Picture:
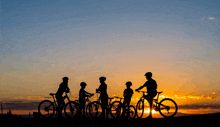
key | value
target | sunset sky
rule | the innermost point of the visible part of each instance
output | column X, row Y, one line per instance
column 45, row 40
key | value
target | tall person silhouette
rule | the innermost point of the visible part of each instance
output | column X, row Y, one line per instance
column 62, row 88
column 103, row 95
column 151, row 90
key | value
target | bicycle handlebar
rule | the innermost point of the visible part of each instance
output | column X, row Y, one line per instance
column 118, row 97
column 142, row 91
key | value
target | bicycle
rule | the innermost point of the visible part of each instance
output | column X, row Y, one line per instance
column 89, row 108
column 46, row 108
column 168, row 104
column 98, row 107
column 127, row 111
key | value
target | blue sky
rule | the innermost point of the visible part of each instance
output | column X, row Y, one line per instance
column 42, row 41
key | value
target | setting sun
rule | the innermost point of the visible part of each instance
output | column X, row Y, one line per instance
column 148, row 111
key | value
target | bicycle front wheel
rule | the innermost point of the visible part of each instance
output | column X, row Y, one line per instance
column 46, row 109
column 71, row 109
column 140, row 108
column 168, row 107
column 116, row 109
column 130, row 112
column 95, row 109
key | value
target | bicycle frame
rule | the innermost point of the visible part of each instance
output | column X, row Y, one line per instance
column 123, row 105
column 122, row 102
column 154, row 101
column 55, row 102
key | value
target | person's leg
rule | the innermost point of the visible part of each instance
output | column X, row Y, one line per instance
column 129, row 100
column 148, row 98
column 103, row 107
column 124, row 107
column 106, row 109
column 80, row 108
column 83, row 109
column 59, row 108
column 151, row 103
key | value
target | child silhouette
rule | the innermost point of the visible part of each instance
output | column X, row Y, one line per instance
column 82, row 95
column 127, row 94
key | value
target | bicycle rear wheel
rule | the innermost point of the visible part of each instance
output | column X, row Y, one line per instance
column 46, row 109
column 71, row 109
column 168, row 107
column 95, row 109
column 116, row 109
column 140, row 108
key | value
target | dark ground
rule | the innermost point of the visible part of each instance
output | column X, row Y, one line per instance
column 206, row 120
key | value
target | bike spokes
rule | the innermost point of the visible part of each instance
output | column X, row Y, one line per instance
column 71, row 109
column 168, row 108
column 95, row 109
column 116, row 109
column 130, row 112
column 46, row 108
column 140, row 109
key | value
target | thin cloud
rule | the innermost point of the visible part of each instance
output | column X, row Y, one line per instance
column 211, row 18
column 28, row 98
column 195, row 97
column 20, row 105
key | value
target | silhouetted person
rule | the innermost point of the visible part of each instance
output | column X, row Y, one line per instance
column 103, row 95
column 151, row 90
column 62, row 88
column 82, row 95
column 127, row 94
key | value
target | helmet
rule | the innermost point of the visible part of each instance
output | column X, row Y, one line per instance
column 128, row 83
column 148, row 74
column 83, row 84
column 65, row 78
column 102, row 78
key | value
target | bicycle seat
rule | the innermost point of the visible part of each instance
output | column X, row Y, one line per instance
column 118, row 97
column 159, row 92
column 110, row 98
column 52, row 94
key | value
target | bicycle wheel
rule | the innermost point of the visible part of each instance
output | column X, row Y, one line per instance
column 130, row 112
column 168, row 107
column 71, row 109
column 116, row 109
column 46, row 109
column 95, row 109
column 91, row 109
column 140, row 108
column 87, row 111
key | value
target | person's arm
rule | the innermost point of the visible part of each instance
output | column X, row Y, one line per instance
column 88, row 94
column 67, row 89
column 99, row 89
column 141, row 87
column 124, row 93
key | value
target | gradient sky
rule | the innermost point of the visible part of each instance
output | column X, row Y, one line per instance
column 45, row 40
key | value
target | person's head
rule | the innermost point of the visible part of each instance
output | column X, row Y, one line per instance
column 83, row 85
column 148, row 75
column 128, row 84
column 102, row 79
column 65, row 79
